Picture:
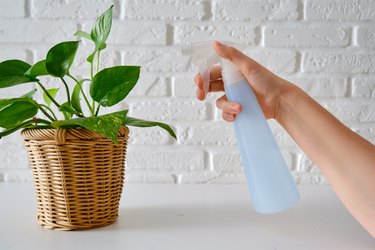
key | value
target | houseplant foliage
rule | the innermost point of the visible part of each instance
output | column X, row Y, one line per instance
column 108, row 87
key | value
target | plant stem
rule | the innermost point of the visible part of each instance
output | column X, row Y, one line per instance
column 50, row 110
column 67, row 89
column 49, row 96
column 92, row 69
column 46, row 113
column 93, row 108
column 92, row 77
column 97, row 62
column 97, row 110
column 83, row 93
column 40, row 120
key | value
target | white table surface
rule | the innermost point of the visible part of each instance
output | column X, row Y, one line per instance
column 168, row 216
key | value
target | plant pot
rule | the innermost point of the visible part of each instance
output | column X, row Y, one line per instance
column 78, row 176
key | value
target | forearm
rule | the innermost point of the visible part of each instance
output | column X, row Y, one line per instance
column 346, row 159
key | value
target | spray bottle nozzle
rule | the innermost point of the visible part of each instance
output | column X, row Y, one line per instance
column 204, row 56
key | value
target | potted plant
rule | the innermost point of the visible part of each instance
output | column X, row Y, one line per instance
column 78, row 161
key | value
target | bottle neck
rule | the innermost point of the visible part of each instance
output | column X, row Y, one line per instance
column 230, row 73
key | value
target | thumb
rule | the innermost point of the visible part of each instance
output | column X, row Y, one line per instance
column 244, row 63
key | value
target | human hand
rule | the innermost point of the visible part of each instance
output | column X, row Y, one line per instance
column 268, row 87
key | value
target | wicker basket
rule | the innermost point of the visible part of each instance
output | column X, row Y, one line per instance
column 78, row 176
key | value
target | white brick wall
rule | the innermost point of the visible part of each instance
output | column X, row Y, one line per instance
column 326, row 47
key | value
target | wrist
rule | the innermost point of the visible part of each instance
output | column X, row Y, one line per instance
column 286, row 100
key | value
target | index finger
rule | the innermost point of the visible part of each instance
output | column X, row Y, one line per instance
column 215, row 74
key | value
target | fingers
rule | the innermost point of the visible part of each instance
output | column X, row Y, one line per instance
column 232, row 108
column 215, row 72
column 228, row 117
column 216, row 84
column 245, row 64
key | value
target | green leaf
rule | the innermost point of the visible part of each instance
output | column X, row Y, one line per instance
column 75, row 101
column 135, row 122
column 12, row 73
column 103, row 46
column 112, row 85
column 11, row 130
column 107, row 125
column 52, row 92
column 90, row 58
column 67, row 109
column 16, row 110
column 38, row 69
column 83, row 34
column 29, row 94
column 60, row 57
column 101, row 28
column 100, row 31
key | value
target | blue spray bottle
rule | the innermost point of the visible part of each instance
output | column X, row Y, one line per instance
column 271, row 186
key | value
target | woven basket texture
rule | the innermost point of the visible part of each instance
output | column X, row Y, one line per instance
column 78, row 176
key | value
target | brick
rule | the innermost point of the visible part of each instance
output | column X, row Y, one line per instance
column 16, row 91
column 255, row 11
column 134, row 32
column 165, row 9
column 133, row 176
column 363, row 87
column 211, row 133
column 13, row 156
column 162, row 60
column 12, row 139
column 230, row 178
column 325, row 87
column 150, row 86
column 14, row 52
column 158, row 177
column 227, row 161
column 306, row 35
column 166, row 158
column 30, row 31
column 340, row 10
column 202, row 177
column 78, row 9
column 149, row 136
column 22, row 175
column 212, row 177
column 108, row 58
column 339, row 62
column 196, row 33
column 351, row 110
column 15, row 8
column 184, row 86
column 366, row 36
column 277, row 61
column 169, row 110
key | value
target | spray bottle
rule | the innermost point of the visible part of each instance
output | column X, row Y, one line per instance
column 271, row 186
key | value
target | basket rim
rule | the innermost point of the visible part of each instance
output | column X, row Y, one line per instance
column 67, row 133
